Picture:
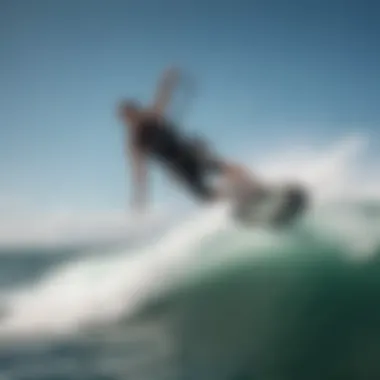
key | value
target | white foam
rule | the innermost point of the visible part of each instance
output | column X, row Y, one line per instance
column 100, row 289
column 331, row 173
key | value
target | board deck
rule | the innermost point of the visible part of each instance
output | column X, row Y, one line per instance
column 273, row 207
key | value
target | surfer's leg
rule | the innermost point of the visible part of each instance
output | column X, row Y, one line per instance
column 194, row 176
column 237, row 181
column 197, row 182
column 232, row 185
column 234, row 182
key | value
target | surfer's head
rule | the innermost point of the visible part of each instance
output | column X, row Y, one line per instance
column 129, row 110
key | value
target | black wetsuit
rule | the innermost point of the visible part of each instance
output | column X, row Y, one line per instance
column 160, row 140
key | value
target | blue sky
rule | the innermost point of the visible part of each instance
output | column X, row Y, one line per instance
column 265, row 71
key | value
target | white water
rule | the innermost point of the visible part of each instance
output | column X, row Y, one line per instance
column 102, row 289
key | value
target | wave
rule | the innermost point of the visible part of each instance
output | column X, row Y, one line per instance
column 105, row 288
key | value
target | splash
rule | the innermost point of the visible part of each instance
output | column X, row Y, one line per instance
column 330, row 174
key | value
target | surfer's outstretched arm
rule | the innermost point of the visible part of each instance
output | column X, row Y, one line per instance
column 165, row 90
column 139, row 177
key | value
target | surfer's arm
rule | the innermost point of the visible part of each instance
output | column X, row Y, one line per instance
column 139, row 177
column 165, row 90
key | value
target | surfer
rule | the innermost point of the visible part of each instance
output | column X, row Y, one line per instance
column 151, row 135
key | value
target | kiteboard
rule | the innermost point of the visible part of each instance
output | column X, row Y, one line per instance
column 273, row 206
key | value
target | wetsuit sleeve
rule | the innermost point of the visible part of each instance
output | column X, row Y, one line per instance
column 139, row 174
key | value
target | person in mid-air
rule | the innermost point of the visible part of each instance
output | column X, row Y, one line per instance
column 153, row 136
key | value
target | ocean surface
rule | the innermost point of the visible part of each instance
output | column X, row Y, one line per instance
column 207, row 300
